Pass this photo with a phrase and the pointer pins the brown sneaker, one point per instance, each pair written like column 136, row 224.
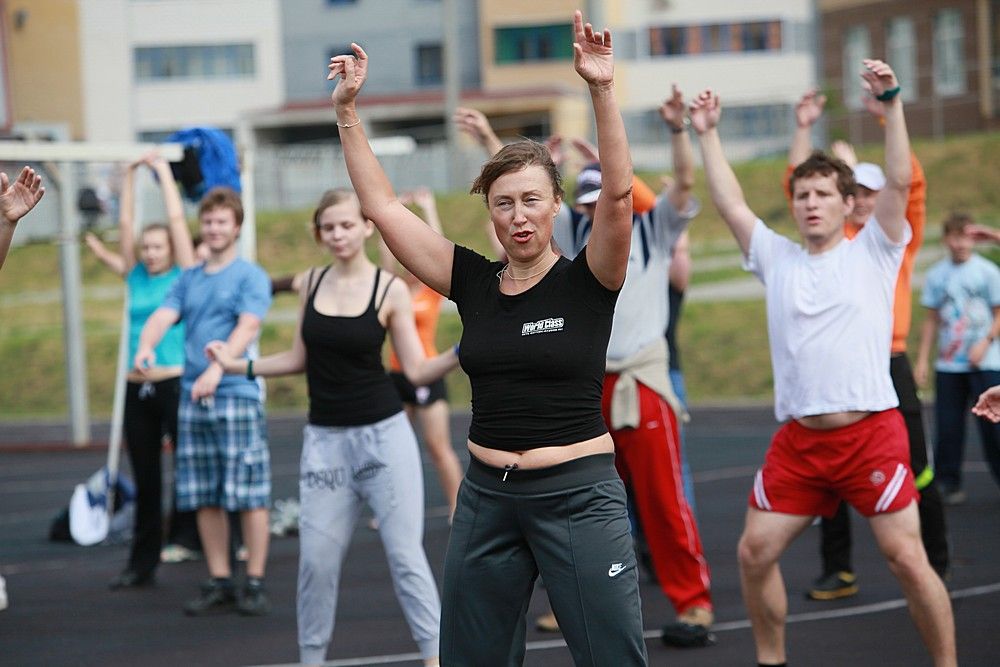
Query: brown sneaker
column 547, row 623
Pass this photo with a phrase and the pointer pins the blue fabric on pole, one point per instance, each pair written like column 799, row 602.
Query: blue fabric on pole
column 216, row 158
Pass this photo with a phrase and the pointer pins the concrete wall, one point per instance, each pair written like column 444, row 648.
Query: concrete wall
column 118, row 107
column 389, row 31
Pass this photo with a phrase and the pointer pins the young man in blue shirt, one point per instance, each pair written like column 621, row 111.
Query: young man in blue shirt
column 223, row 463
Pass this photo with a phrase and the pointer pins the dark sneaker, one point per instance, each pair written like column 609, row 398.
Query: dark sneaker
column 131, row 579
column 254, row 601
column 690, row 630
column 217, row 597
column 834, row 586
column 686, row 635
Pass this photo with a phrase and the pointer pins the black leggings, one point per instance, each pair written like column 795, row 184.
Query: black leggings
column 150, row 414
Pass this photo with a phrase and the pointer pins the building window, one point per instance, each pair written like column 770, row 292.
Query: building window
column 758, row 121
column 901, row 51
column 715, row 38
column 857, row 47
column 220, row 61
column 544, row 42
column 429, row 62
column 755, row 36
column 341, row 2
column 949, row 62
column 668, row 41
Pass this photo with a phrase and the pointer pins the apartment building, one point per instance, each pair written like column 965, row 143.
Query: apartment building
column 127, row 70
column 946, row 54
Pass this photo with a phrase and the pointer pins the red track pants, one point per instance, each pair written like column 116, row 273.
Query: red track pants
column 648, row 459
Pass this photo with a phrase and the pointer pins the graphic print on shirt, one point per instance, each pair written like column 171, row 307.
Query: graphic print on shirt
column 548, row 325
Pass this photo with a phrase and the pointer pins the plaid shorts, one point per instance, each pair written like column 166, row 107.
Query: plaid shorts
column 222, row 456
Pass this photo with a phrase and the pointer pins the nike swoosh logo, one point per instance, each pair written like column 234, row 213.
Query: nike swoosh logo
column 616, row 569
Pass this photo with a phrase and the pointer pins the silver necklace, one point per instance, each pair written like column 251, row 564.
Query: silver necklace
column 505, row 270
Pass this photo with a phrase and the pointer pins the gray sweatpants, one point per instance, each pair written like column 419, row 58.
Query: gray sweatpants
column 341, row 468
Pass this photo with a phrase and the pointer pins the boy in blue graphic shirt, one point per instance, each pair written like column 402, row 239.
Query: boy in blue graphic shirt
column 963, row 295
column 223, row 463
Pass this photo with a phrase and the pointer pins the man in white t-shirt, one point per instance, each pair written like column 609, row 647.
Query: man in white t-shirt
column 829, row 311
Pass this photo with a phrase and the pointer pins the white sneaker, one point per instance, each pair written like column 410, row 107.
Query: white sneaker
column 3, row 594
column 175, row 553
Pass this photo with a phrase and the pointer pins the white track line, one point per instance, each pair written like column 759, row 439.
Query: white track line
column 846, row 612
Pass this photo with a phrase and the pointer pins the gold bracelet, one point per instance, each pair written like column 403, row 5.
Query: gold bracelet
column 357, row 122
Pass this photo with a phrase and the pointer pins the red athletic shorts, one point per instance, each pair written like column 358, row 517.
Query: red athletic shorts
column 807, row 472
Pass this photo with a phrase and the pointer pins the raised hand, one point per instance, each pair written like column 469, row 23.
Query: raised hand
column 672, row 110
column 878, row 77
column 873, row 106
column 19, row 197
column 473, row 122
column 353, row 71
column 555, row 146
column 809, row 108
column 705, row 111
column 587, row 150
column 845, row 152
column 592, row 55
column 424, row 198
column 981, row 233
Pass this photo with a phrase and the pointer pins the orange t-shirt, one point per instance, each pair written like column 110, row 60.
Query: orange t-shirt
column 916, row 215
column 426, row 311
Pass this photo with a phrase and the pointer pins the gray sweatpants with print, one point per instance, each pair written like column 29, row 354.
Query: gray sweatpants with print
column 341, row 468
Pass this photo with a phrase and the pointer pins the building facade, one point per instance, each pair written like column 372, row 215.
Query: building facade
column 945, row 53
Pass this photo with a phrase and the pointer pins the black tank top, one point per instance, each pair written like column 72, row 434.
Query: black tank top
column 348, row 385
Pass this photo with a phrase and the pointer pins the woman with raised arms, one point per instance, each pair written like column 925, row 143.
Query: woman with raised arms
column 541, row 494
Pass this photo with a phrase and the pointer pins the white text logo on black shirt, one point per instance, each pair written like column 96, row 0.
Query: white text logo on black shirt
column 548, row 325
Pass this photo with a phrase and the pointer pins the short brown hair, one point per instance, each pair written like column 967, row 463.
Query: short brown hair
column 332, row 198
column 222, row 197
column 956, row 222
column 819, row 163
column 515, row 157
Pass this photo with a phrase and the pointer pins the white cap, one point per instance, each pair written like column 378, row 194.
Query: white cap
column 869, row 175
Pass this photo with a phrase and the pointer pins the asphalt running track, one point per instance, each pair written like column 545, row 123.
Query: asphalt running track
column 61, row 612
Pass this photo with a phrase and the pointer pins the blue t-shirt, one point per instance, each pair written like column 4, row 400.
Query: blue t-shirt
column 145, row 294
column 964, row 296
column 210, row 305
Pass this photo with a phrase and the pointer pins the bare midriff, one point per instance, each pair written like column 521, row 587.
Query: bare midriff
column 542, row 457
column 155, row 374
column 832, row 420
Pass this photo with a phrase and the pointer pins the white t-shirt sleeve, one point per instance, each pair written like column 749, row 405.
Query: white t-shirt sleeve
column 766, row 247
column 882, row 249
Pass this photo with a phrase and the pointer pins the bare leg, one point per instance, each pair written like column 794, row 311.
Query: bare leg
column 213, row 528
column 766, row 535
column 898, row 536
column 256, row 536
column 437, row 435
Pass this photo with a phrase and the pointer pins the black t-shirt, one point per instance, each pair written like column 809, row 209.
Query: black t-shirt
column 536, row 359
